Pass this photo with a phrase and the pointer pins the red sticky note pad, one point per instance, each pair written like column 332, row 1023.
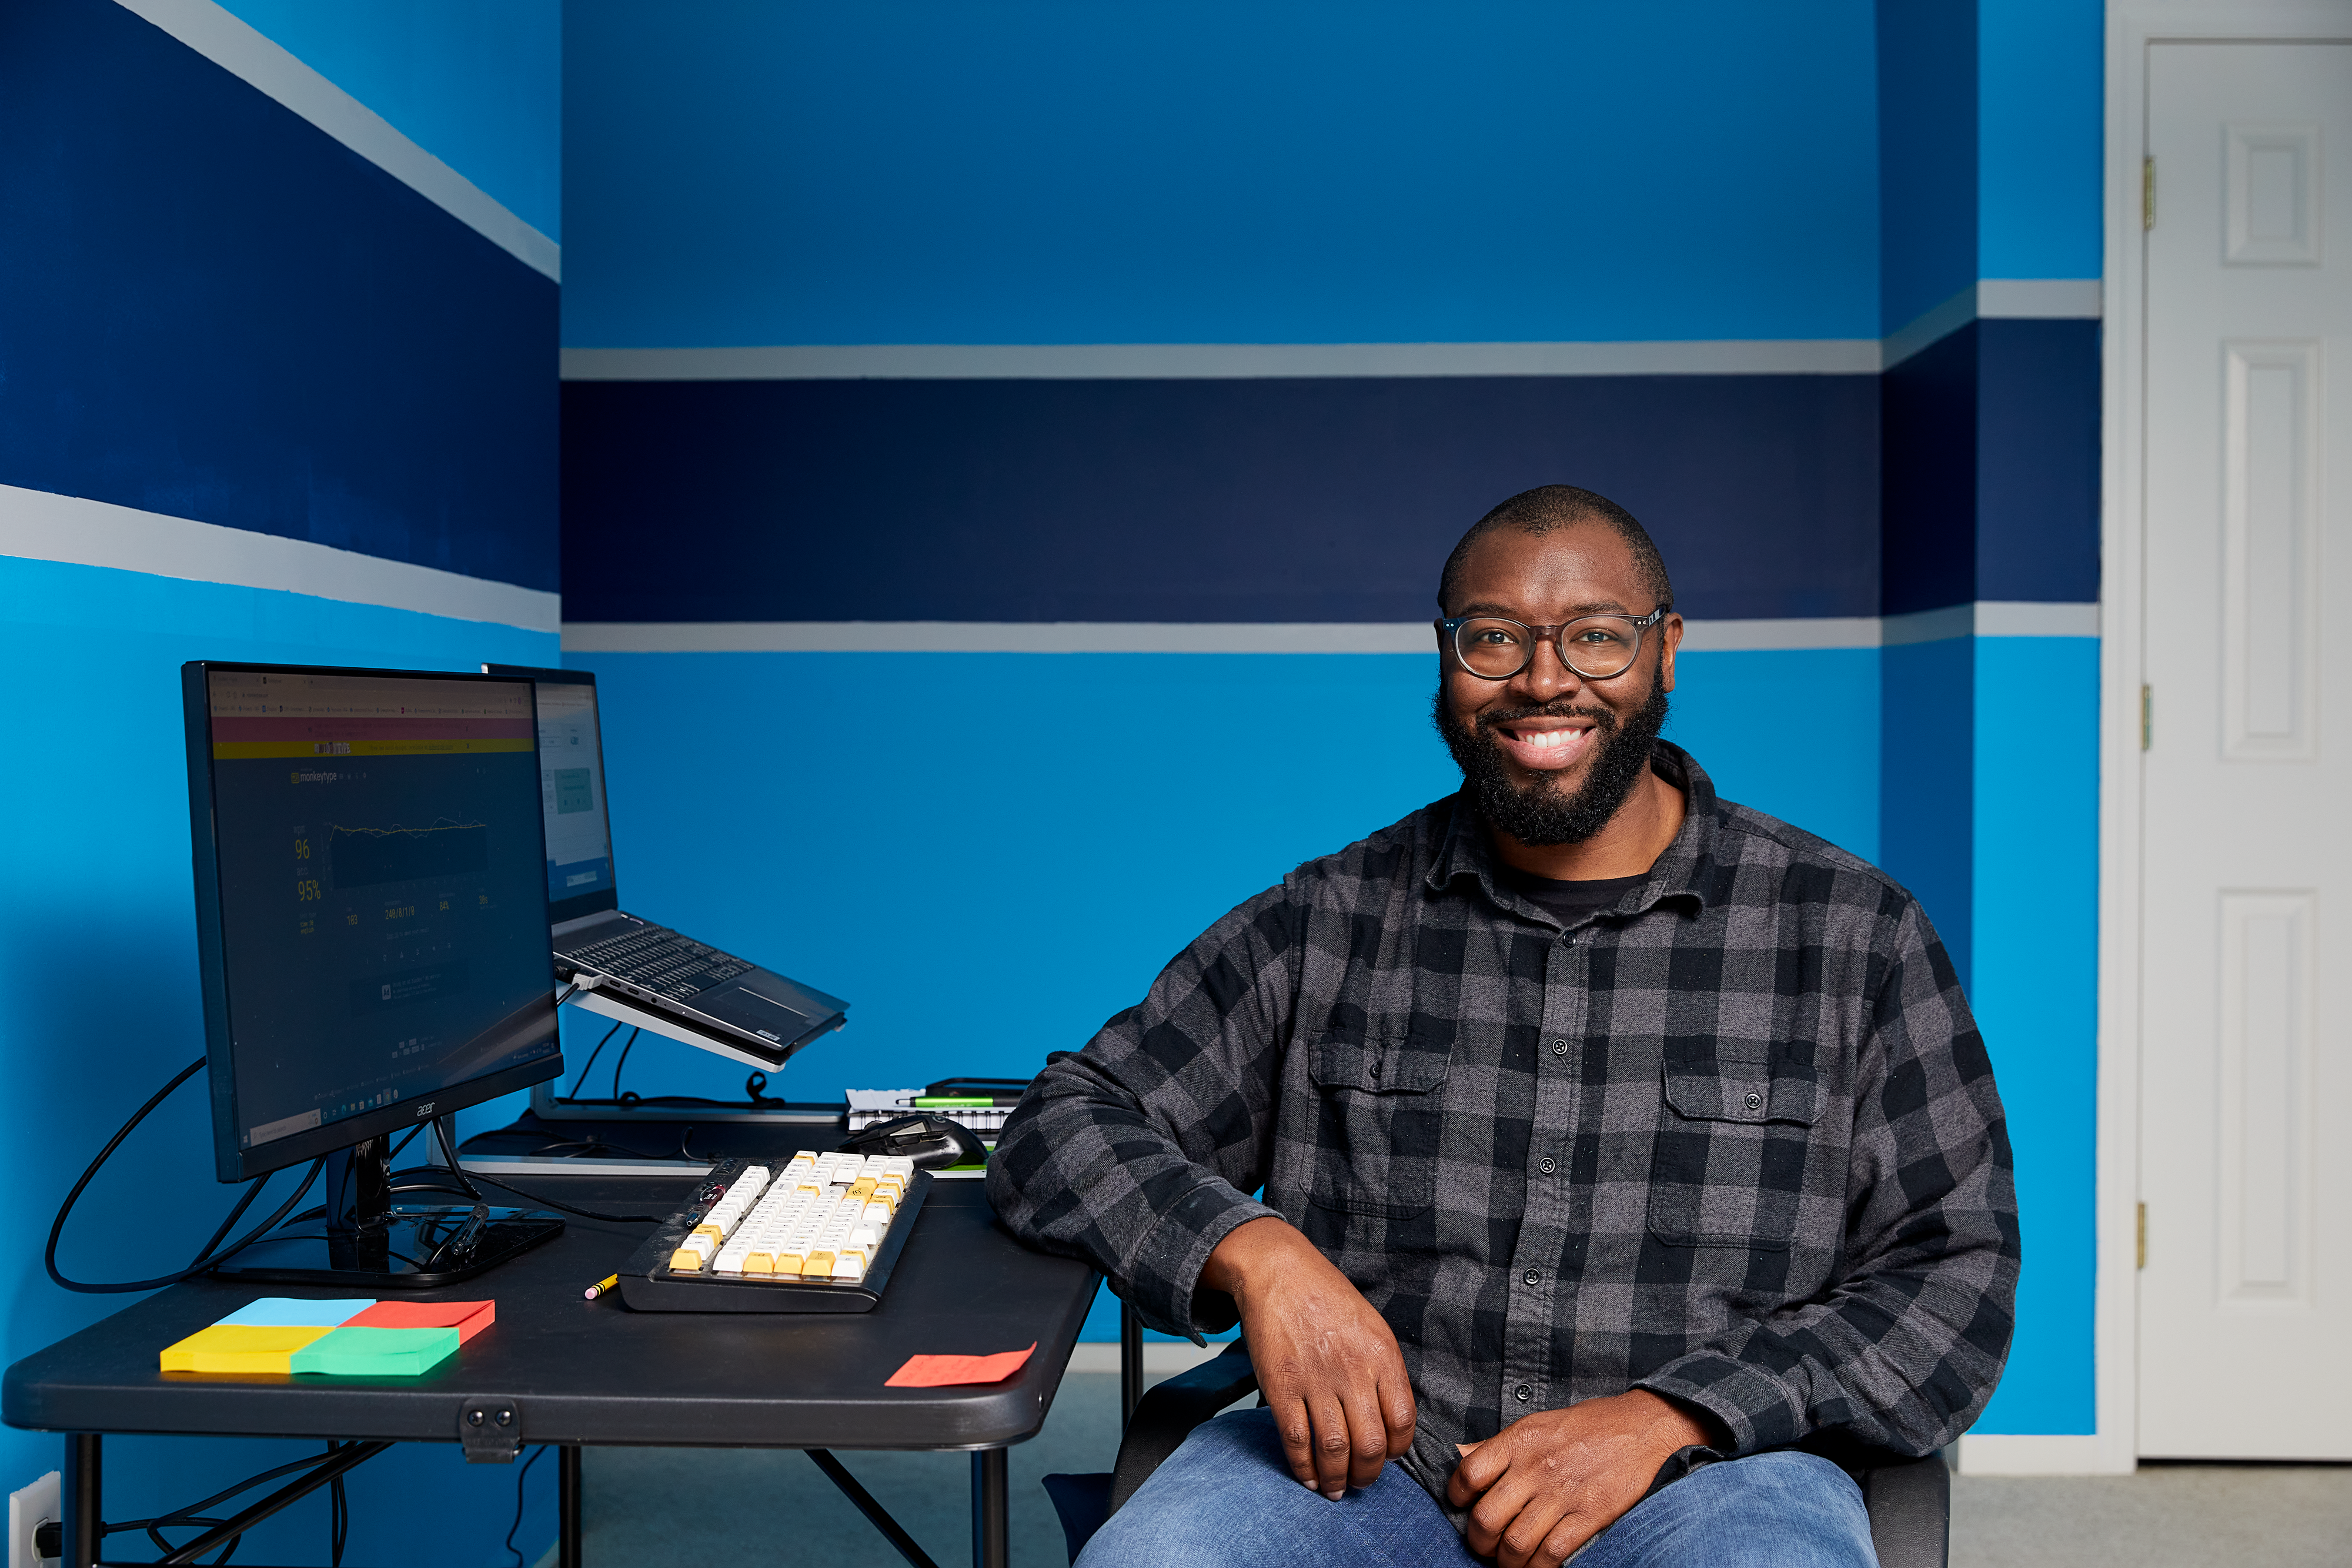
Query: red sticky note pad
column 940, row 1371
column 468, row 1317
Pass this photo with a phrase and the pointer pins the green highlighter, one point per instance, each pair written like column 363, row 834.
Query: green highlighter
column 377, row 1352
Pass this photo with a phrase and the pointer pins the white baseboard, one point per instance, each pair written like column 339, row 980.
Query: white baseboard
column 2000, row 1454
column 1162, row 1358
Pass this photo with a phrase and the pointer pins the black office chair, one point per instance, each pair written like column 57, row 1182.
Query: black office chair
column 1910, row 1501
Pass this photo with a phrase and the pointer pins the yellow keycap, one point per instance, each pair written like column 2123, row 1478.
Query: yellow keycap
column 788, row 1262
column 711, row 1230
column 819, row 1266
column 686, row 1261
column 759, row 1263
column 861, row 1188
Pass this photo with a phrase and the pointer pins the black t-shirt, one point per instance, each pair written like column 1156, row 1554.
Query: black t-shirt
column 1569, row 901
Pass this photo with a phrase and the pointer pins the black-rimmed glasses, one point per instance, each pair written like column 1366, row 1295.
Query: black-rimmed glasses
column 1495, row 648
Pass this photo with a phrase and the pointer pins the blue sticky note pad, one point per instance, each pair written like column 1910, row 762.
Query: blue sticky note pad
column 287, row 1312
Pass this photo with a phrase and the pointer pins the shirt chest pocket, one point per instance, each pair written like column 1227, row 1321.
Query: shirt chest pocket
column 1733, row 1138
column 1378, row 1122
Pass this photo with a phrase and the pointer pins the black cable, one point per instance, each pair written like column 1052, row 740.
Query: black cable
column 205, row 1259
column 521, row 1476
column 622, row 1061
column 590, row 1065
column 447, row 1139
column 339, row 1517
column 582, row 1213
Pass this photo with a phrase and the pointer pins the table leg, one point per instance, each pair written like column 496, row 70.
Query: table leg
column 567, row 1505
column 991, row 1545
column 1131, row 1362
column 82, row 1505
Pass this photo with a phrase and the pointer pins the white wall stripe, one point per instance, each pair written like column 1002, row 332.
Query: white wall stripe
column 1292, row 637
column 236, row 48
column 1197, row 361
column 1993, row 297
column 41, row 526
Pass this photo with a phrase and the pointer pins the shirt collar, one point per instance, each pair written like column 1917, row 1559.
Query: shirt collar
column 1687, row 870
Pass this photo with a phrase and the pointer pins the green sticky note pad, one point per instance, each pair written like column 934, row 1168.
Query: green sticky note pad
column 377, row 1352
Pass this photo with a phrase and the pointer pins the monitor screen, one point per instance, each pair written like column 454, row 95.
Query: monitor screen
column 371, row 902
column 572, row 799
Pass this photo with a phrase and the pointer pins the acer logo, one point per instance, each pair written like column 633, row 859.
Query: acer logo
column 424, row 1110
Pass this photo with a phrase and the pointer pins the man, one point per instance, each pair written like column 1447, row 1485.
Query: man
column 1628, row 1156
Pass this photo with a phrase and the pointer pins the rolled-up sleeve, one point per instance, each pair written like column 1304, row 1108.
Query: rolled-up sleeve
column 1904, row 1349
column 1139, row 1154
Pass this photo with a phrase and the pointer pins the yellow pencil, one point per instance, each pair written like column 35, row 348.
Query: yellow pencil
column 600, row 1286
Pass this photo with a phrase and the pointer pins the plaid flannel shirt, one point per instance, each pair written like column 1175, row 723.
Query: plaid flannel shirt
column 1735, row 1140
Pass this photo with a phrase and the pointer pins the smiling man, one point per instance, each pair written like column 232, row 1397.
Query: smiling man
column 1629, row 1160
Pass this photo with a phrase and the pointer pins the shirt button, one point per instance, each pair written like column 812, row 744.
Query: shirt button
column 1523, row 1394
column 1548, row 1167
column 1560, row 1048
column 1755, row 1100
column 1531, row 1278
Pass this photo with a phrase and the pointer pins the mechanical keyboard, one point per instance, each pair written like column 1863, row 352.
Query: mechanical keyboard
column 659, row 960
column 821, row 1234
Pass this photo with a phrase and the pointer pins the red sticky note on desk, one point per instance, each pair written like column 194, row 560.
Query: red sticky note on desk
column 940, row 1371
column 468, row 1317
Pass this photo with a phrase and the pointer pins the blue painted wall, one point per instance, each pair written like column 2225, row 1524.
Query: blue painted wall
column 99, row 1006
column 1194, row 500
column 925, row 171
column 211, row 311
column 2041, row 105
column 2033, row 984
column 228, row 315
column 480, row 87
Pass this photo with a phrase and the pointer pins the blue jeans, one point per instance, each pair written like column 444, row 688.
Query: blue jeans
column 1226, row 1499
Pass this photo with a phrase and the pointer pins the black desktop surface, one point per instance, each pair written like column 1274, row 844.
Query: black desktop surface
column 594, row 1371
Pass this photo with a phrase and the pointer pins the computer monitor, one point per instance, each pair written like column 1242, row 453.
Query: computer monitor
column 371, row 930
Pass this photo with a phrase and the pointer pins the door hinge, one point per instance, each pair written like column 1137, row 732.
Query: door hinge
column 2143, row 1236
column 2147, row 193
column 2147, row 717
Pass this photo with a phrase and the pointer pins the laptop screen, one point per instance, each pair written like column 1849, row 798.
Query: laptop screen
column 572, row 793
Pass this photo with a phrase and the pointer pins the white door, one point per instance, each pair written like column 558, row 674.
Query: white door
column 2245, row 1158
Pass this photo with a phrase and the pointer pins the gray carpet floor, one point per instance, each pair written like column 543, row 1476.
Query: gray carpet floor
column 670, row 1508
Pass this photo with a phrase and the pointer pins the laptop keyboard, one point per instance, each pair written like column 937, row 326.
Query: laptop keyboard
column 655, row 958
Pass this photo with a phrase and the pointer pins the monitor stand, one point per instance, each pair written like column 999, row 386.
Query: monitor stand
column 362, row 1241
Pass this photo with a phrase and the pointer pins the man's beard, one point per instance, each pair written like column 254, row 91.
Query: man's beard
column 1539, row 813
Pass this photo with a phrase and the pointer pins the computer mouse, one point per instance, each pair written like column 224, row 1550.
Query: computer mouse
column 934, row 1143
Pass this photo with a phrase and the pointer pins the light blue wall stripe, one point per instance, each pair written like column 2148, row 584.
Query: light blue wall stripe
column 2034, row 988
column 98, row 999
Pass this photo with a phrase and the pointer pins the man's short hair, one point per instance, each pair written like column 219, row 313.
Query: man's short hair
column 1549, row 507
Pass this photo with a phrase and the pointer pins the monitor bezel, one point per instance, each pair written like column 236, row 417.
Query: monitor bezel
column 559, row 910
column 232, row 1162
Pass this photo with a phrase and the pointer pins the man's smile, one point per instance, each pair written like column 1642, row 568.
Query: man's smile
column 1544, row 743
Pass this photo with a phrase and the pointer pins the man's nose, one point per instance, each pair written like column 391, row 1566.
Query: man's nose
column 1546, row 675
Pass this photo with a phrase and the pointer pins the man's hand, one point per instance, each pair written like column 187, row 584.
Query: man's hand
column 1553, row 1480
column 1326, row 1362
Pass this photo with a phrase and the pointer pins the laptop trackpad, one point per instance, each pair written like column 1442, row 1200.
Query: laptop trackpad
column 756, row 1006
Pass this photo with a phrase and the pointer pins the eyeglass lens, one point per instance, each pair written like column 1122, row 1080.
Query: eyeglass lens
column 1597, row 647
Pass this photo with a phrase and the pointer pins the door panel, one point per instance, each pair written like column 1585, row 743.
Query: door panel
column 2246, row 1298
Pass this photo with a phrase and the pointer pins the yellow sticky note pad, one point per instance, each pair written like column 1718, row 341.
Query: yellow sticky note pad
column 240, row 1347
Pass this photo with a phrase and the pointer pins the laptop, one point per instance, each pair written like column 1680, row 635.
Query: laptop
column 629, row 969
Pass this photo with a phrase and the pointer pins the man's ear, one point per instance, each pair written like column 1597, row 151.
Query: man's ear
column 1670, row 638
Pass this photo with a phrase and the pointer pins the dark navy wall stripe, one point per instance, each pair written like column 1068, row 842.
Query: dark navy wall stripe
column 2038, row 460
column 212, row 310
column 1929, row 407
column 1264, row 501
